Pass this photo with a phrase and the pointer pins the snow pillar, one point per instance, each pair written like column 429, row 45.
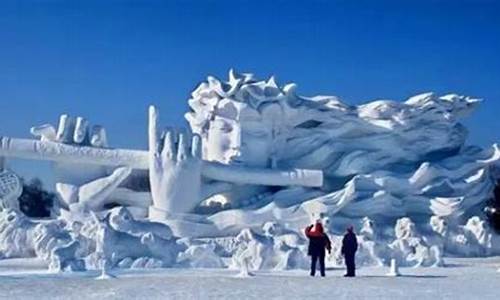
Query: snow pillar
column 394, row 270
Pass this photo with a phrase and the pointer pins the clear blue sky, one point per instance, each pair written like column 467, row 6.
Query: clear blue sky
column 107, row 60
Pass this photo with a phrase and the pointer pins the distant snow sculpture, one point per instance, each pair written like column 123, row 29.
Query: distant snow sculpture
column 258, row 252
column 475, row 238
column 86, row 245
column 11, row 188
column 371, row 250
column 21, row 237
column 201, row 256
column 126, row 240
column 410, row 247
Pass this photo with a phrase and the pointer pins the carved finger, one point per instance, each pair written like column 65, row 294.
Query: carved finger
column 187, row 135
column 81, row 130
column 175, row 135
column 196, row 144
column 182, row 148
column 63, row 119
column 98, row 138
column 153, row 131
column 64, row 131
column 168, row 152
column 45, row 132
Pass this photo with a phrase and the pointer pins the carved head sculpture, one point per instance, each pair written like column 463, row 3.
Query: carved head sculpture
column 242, row 122
column 367, row 228
column 11, row 217
column 480, row 229
column 439, row 225
column 120, row 218
column 405, row 228
column 76, row 228
column 271, row 228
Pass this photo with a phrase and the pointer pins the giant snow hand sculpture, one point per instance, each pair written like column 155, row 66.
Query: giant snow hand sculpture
column 174, row 170
column 89, row 185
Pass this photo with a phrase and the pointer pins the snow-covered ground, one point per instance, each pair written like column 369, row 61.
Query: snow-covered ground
column 461, row 279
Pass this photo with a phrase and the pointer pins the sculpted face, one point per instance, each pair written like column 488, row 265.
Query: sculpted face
column 404, row 228
column 239, row 135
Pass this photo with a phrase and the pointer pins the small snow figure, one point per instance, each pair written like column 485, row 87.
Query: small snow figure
column 318, row 242
column 349, row 248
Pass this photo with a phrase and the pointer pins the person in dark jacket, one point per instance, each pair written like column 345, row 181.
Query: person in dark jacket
column 318, row 243
column 349, row 248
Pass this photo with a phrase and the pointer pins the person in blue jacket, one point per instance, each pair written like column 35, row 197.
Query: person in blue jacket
column 349, row 248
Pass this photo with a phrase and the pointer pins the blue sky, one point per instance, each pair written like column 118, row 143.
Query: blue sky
column 108, row 60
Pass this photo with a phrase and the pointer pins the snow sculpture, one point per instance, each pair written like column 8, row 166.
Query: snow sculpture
column 10, row 189
column 138, row 245
column 88, row 184
column 176, row 162
column 268, row 251
column 256, row 154
column 241, row 130
column 377, row 160
column 174, row 165
column 103, row 188
column 289, row 237
column 124, row 242
column 21, row 237
column 370, row 251
column 255, row 252
column 83, row 237
column 410, row 247
column 121, row 219
column 479, row 230
column 290, row 248
column 473, row 239
column 201, row 256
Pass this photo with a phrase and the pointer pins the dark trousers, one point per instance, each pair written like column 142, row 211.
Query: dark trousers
column 314, row 259
column 350, row 264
